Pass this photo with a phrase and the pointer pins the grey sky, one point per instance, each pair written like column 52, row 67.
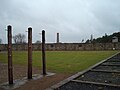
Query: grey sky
column 73, row 19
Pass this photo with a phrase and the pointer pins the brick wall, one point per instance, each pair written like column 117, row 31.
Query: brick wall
column 64, row 46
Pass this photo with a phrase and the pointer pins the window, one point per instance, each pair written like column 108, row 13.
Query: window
column 80, row 45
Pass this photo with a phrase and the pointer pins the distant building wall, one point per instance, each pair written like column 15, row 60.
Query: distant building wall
column 64, row 46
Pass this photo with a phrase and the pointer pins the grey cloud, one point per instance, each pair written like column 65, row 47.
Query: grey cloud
column 73, row 19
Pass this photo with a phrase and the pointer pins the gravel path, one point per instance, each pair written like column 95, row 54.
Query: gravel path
column 20, row 72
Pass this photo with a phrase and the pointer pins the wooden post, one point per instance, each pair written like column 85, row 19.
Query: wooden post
column 43, row 53
column 10, row 67
column 29, row 53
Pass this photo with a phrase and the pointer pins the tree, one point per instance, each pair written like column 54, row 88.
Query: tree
column 88, row 41
column 19, row 38
column 106, row 38
column 38, row 42
column 0, row 41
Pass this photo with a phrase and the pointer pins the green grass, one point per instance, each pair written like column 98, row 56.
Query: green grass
column 61, row 61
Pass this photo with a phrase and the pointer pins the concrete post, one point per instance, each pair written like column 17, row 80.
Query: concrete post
column 58, row 38
column 10, row 67
column 43, row 53
column 30, row 53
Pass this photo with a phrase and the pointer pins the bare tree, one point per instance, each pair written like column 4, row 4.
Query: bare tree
column 38, row 42
column 0, row 41
column 19, row 38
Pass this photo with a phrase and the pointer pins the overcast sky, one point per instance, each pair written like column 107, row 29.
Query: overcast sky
column 73, row 19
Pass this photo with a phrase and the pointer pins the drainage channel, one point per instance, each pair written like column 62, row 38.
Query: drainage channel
column 102, row 76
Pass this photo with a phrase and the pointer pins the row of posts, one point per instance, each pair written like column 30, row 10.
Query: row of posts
column 10, row 66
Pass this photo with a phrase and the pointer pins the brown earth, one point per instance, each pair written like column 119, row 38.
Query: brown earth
column 39, row 84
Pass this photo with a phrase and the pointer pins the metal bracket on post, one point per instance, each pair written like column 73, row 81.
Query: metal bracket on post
column 10, row 67
column 43, row 53
column 30, row 53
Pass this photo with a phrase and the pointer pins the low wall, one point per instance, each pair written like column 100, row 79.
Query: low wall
column 65, row 46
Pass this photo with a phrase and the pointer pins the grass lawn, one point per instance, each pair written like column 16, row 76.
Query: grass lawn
column 61, row 61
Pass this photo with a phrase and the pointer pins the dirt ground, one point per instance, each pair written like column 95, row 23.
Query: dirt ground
column 39, row 84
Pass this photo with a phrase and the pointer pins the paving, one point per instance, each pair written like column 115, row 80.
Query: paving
column 102, row 76
column 20, row 82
